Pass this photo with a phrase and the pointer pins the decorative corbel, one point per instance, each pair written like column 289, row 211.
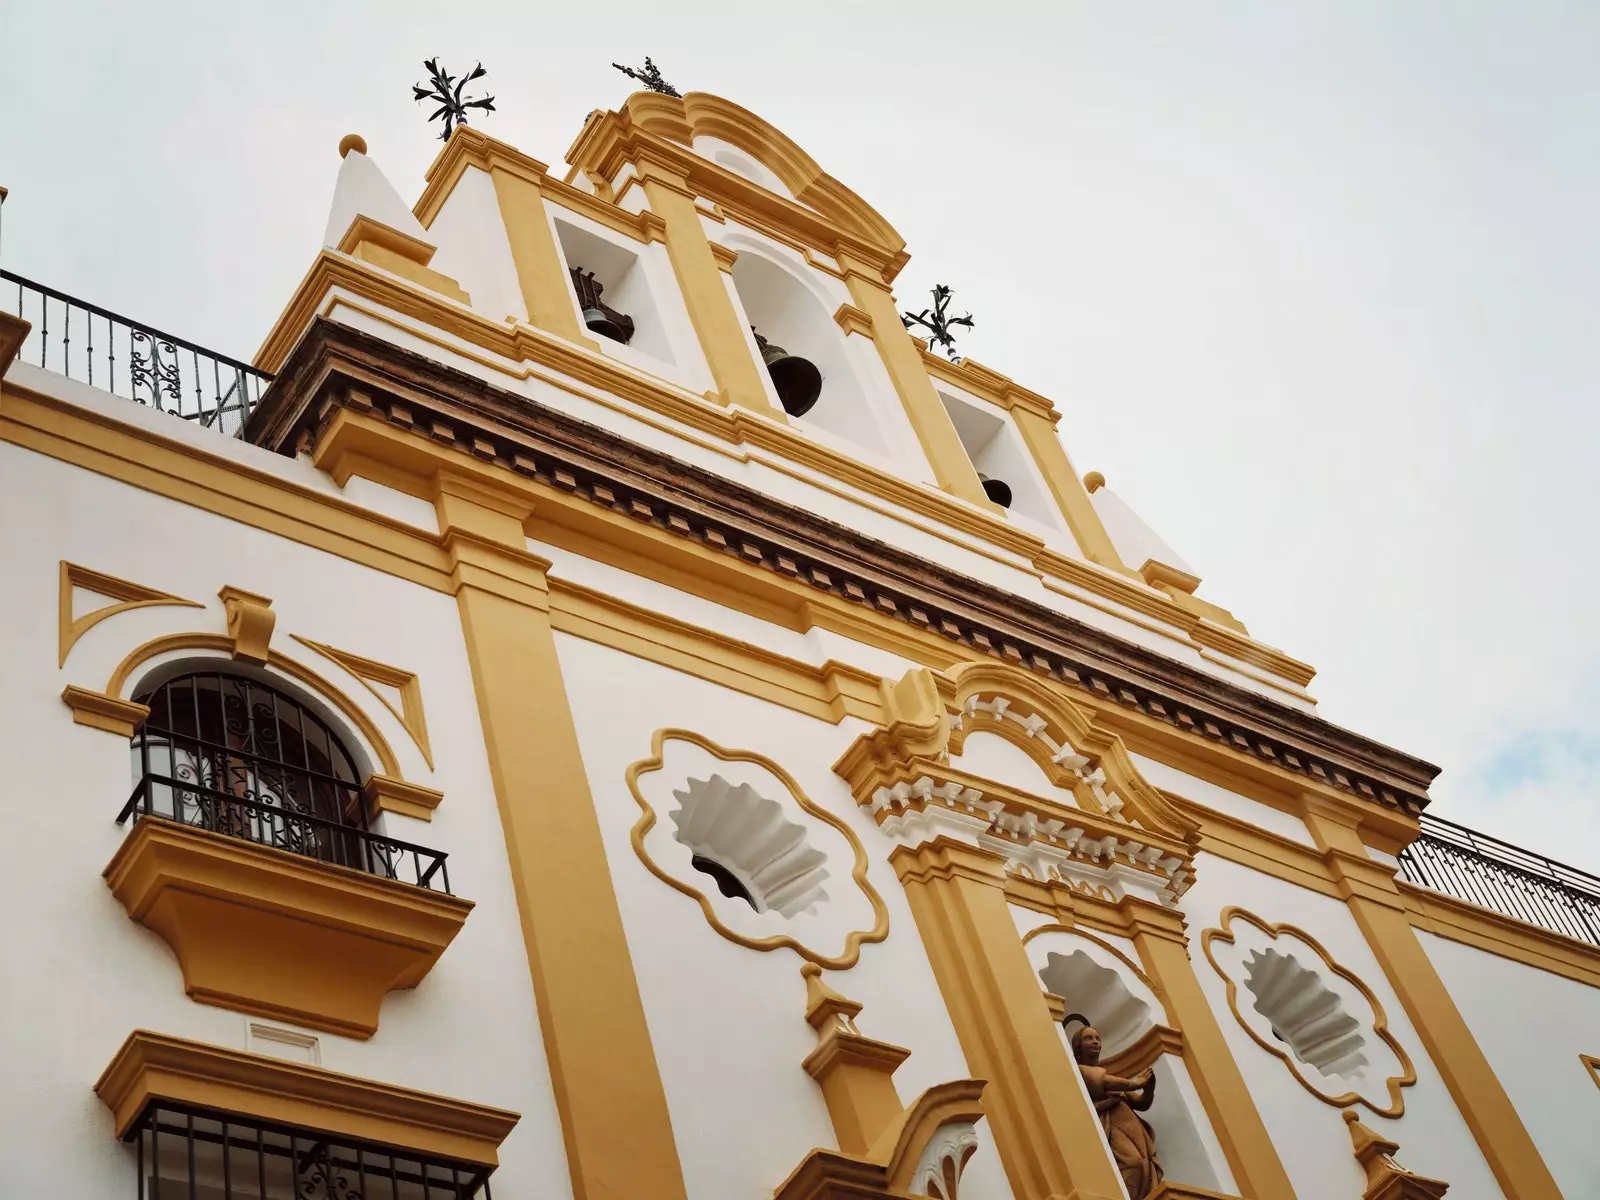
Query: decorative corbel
column 1387, row 1179
column 250, row 622
column 884, row 1149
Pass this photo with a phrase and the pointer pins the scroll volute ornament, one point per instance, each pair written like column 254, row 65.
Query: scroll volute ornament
column 250, row 623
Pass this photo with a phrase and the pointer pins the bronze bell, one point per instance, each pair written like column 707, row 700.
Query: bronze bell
column 996, row 489
column 598, row 316
column 797, row 380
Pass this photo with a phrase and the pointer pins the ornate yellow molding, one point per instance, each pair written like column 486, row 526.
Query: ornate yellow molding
column 382, row 794
column 1047, row 1134
column 1379, row 1025
column 824, row 213
column 154, row 1066
column 250, row 624
column 1387, row 1179
column 13, row 332
column 207, row 895
column 855, row 1073
column 854, row 940
column 127, row 595
column 400, row 253
column 100, row 711
column 374, row 674
column 218, row 644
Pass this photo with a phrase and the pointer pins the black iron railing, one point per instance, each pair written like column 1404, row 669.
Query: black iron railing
column 1496, row 875
column 95, row 346
column 162, row 797
column 183, row 1151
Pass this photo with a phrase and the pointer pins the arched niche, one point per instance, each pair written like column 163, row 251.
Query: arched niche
column 1103, row 982
column 990, row 756
column 790, row 311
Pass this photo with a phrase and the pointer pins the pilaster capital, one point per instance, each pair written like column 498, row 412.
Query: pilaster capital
column 944, row 858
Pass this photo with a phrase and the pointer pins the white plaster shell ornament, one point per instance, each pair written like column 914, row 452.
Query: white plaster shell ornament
column 802, row 868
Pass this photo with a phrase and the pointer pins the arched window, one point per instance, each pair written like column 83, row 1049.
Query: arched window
column 235, row 756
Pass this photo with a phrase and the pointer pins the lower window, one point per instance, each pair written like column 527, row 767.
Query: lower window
column 198, row 1154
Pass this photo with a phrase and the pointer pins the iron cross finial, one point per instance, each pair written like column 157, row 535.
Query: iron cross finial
column 939, row 326
column 447, row 91
column 650, row 76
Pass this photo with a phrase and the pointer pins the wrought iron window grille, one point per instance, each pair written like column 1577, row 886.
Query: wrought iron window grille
column 236, row 757
column 189, row 1153
column 135, row 361
column 1506, row 879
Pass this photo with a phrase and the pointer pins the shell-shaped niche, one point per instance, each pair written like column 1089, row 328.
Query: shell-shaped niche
column 1305, row 1013
column 1316, row 1016
column 769, row 867
column 747, row 835
column 1101, row 994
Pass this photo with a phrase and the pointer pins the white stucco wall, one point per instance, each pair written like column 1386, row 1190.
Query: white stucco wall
column 79, row 975
column 1309, row 1134
column 1532, row 1026
column 474, row 249
column 728, row 1022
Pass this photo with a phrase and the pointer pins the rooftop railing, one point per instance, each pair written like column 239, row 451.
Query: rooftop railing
column 1507, row 879
column 130, row 359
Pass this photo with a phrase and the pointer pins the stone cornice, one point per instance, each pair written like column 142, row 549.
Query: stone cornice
column 335, row 367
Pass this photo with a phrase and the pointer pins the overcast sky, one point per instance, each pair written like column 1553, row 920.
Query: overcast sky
column 1314, row 285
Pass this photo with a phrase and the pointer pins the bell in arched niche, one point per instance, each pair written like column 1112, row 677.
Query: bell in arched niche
column 598, row 316
column 796, row 380
column 997, row 490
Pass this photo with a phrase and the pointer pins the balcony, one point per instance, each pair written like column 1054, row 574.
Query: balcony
column 1503, row 878
column 138, row 362
column 249, row 854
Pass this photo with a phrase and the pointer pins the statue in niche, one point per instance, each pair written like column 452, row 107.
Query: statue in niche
column 1118, row 1101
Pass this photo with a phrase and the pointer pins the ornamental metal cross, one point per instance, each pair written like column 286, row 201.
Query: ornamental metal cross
column 650, row 76
column 940, row 327
column 447, row 92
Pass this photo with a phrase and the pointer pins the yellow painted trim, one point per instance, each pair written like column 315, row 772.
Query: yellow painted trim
column 1161, row 938
column 824, row 213
column 364, row 229
column 382, row 794
column 855, row 1073
column 13, row 332
column 1048, row 1136
column 250, row 623
column 99, row 711
column 615, row 1124
column 154, row 1066
column 218, row 644
column 206, row 894
column 1505, row 937
column 1380, row 1023
column 853, row 320
column 371, row 672
column 700, row 276
column 854, row 940
column 935, row 431
column 129, row 594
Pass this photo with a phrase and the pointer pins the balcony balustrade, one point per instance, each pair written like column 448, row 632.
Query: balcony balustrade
column 1503, row 878
column 130, row 359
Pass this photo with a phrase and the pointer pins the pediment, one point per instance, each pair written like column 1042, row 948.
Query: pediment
column 1065, row 789
column 700, row 115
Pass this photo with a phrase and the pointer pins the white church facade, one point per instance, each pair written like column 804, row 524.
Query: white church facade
column 595, row 709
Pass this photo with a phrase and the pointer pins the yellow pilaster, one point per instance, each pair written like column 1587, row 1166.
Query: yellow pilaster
column 952, row 469
column 540, row 274
column 608, row 1090
column 1369, row 889
column 705, row 294
column 1039, row 432
column 1158, row 934
column 1047, row 1134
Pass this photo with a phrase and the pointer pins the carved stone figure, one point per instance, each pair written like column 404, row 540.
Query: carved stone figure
column 1118, row 1101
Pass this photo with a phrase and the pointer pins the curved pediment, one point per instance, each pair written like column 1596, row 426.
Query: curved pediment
column 703, row 115
column 1095, row 808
